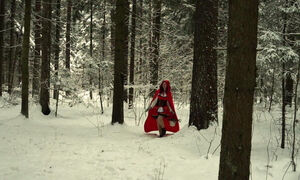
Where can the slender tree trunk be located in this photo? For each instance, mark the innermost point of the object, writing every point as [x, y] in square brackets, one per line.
[91, 48]
[112, 29]
[2, 28]
[289, 89]
[132, 53]
[121, 36]
[103, 55]
[25, 53]
[46, 51]
[283, 107]
[272, 90]
[283, 111]
[17, 63]
[57, 48]
[155, 44]
[204, 103]
[141, 47]
[239, 90]
[126, 74]
[150, 43]
[112, 39]
[37, 49]
[68, 38]
[295, 117]
[12, 49]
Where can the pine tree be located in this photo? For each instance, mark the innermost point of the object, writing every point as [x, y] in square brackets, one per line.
[204, 101]
[121, 36]
[239, 90]
[46, 51]
[2, 27]
[25, 53]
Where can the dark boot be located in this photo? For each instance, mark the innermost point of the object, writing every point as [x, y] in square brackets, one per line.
[163, 132]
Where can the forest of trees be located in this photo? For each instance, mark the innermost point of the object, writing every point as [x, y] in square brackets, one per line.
[119, 50]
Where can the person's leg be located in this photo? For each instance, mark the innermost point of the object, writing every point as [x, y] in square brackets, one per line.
[160, 120]
[158, 125]
[161, 125]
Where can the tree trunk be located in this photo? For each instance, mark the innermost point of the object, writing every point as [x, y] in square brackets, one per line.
[272, 90]
[150, 44]
[68, 38]
[112, 29]
[141, 47]
[283, 107]
[12, 49]
[239, 90]
[57, 48]
[46, 51]
[125, 95]
[283, 111]
[155, 44]
[204, 102]
[103, 55]
[289, 89]
[91, 47]
[37, 49]
[25, 53]
[121, 36]
[132, 53]
[295, 117]
[2, 27]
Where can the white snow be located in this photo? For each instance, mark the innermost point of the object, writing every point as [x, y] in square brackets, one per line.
[72, 147]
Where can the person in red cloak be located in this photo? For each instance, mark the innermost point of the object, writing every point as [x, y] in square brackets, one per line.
[161, 111]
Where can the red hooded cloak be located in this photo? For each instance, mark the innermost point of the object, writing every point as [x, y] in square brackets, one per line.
[150, 123]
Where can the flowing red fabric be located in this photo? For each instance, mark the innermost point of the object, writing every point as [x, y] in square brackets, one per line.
[150, 123]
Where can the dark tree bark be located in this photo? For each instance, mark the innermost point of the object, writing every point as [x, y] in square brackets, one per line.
[103, 55]
[46, 51]
[142, 48]
[204, 102]
[272, 90]
[57, 48]
[68, 33]
[126, 75]
[283, 82]
[150, 42]
[132, 53]
[112, 29]
[239, 90]
[91, 47]
[18, 62]
[2, 27]
[12, 49]
[121, 36]
[68, 37]
[289, 86]
[295, 117]
[155, 44]
[25, 53]
[37, 49]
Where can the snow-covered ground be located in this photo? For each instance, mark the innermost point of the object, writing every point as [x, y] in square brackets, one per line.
[81, 144]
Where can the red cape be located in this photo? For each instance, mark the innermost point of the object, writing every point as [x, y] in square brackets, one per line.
[150, 123]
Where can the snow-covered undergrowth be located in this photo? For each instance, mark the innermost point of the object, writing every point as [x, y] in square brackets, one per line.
[81, 144]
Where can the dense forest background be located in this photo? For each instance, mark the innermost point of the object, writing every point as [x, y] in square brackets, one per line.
[91, 46]
[217, 54]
